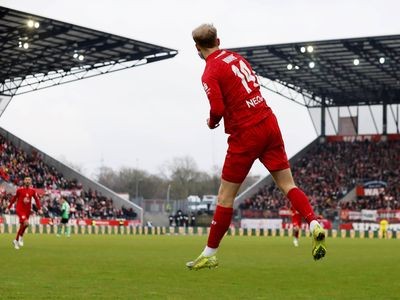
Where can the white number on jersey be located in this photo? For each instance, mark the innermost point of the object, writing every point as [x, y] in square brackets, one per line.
[246, 75]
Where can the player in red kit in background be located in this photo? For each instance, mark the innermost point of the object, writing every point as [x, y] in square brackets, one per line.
[296, 223]
[23, 197]
[234, 95]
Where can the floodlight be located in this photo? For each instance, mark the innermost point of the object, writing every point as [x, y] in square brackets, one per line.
[382, 60]
[310, 49]
[311, 64]
[356, 62]
[289, 66]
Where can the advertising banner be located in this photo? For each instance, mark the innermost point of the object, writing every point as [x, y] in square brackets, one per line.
[392, 215]
[369, 215]
[35, 220]
[261, 223]
[371, 188]
[367, 226]
[363, 137]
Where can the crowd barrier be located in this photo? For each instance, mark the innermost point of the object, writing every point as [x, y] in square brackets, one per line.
[144, 230]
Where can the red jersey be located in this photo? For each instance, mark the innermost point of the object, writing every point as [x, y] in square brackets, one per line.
[24, 196]
[233, 91]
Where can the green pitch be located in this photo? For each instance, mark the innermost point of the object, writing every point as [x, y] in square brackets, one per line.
[153, 267]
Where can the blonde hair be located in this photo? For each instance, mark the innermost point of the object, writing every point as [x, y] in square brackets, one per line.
[205, 36]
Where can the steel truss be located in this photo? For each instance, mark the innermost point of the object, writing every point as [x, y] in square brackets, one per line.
[30, 83]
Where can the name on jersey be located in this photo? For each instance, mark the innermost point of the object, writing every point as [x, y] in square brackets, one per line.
[230, 58]
[254, 101]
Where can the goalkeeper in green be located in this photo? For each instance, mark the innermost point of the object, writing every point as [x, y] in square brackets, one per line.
[65, 209]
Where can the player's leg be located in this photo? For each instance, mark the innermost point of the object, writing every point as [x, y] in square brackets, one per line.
[219, 226]
[21, 236]
[22, 219]
[26, 225]
[15, 242]
[285, 182]
[299, 200]
[295, 235]
[235, 170]
[275, 160]
[67, 228]
[21, 225]
[223, 214]
[60, 228]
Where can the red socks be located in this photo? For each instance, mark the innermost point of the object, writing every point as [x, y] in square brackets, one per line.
[21, 231]
[219, 225]
[296, 233]
[300, 202]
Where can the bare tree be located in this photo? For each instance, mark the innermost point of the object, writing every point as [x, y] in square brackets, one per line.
[181, 174]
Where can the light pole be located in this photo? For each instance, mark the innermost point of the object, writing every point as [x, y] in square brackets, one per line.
[137, 188]
[168, 194]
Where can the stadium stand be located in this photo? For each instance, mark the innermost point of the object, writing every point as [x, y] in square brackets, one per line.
[51, 184]
[329, 171]
[351, 93]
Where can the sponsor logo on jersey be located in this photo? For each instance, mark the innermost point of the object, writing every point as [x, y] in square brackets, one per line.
[254, 101]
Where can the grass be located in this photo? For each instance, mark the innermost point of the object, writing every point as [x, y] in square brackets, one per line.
[153, 267]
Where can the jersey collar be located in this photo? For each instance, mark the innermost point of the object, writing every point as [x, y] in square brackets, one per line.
[214, 54]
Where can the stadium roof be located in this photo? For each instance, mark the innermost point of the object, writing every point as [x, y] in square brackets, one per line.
[342, 72]
[38, 52]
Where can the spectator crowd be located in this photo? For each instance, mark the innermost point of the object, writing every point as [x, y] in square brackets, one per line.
[330, 170]
[16, 164]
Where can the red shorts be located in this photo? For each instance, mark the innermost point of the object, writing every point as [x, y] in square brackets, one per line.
[23, 216]
[261, 141]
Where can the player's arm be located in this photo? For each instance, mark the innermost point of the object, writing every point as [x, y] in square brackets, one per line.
[12, 201]
[37, 201]
[214, 94]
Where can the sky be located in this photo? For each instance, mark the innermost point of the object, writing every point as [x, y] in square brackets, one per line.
[144, 117]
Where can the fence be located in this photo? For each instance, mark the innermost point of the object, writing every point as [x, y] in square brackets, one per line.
[143, 230]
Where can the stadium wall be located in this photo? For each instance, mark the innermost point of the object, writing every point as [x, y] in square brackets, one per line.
[70, 173]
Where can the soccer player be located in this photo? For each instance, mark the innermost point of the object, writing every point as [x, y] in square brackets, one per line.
[234, 94]
[296, 223]
[65, 209]
[23, 197]
[383, 227]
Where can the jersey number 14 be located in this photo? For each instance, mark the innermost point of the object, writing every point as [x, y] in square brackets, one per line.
[246, 75]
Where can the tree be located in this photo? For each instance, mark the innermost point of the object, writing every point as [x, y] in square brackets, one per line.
[107, 177]
[137, 183]
[183, 173]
